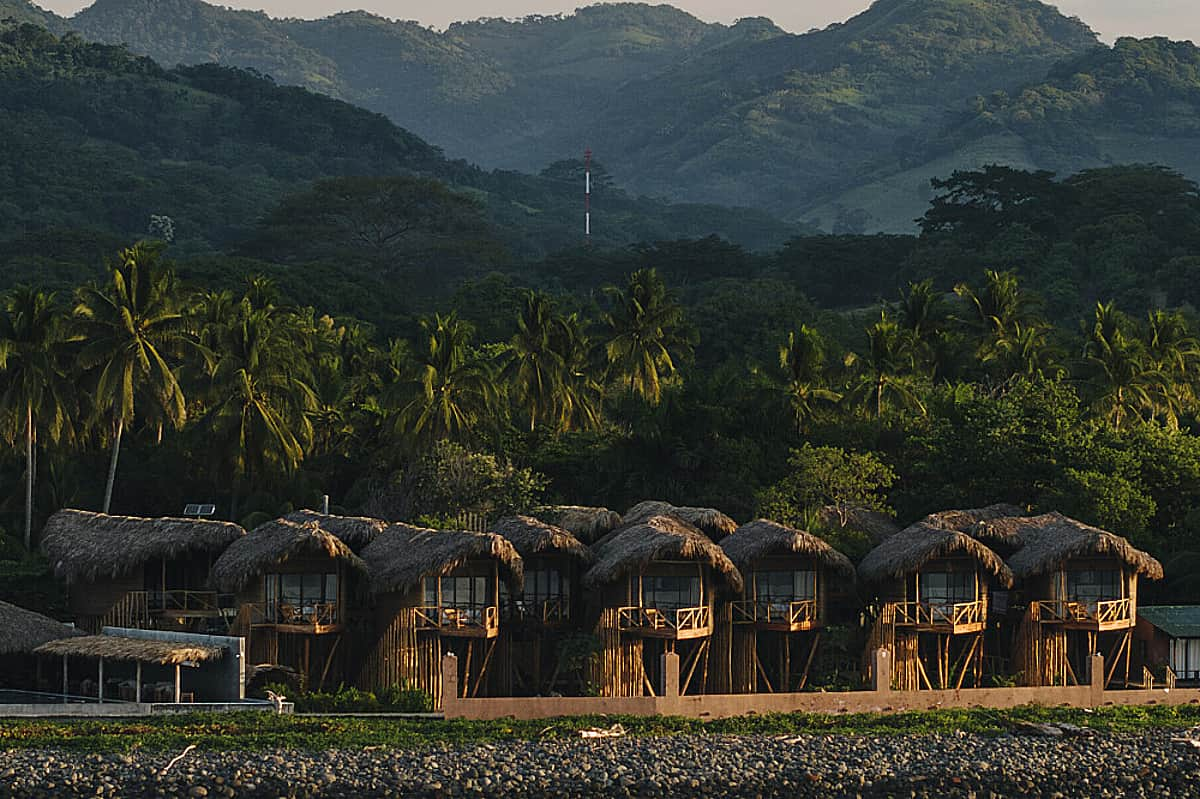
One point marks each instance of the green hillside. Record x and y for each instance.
(215, 149)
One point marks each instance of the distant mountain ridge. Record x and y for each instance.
(841, 127)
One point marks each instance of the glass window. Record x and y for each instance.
(789, 586)
(670, 592)
(947, 588)
(544, 584)
(464, 591)
(1093, 585)
(431, 591)
(302, 589)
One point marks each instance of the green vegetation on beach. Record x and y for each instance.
(255, 731)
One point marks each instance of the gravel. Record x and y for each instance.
(1092, 765)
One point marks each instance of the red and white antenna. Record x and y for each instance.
(587, 194)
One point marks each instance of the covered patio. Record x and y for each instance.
(158, 655)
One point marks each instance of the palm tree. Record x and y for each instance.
(132, 330)
(884, 368)
(996, 308)
(1172, 350)
(1127, 384)
(1025, 350)
(451, 389)
(802, 359)
(32, 336)
(535, 370)
(260, 394)
(580, 404)
(922, 315)
(646, 331)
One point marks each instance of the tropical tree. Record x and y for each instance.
(802, 360)
(133, 332)
(1024, 350)
(451, 389)
(260, 397)
(1125, 382)
(646, 333)
(996, 308)
(922, 314)
(883, 370)
(32, 336)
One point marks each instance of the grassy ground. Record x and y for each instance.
(251, 731)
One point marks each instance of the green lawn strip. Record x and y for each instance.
(257, 731)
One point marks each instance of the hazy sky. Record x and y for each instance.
(1179, 19)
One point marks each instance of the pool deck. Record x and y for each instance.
(131, 709)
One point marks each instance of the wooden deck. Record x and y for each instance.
(957, 619)
(678, 624)
(800, 615)
(1114, 614)
(315, 619)
(468, 622)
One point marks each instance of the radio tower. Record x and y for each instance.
(587, 195)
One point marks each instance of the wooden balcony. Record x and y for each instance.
(795, 616)
(475, 621)
(1109, 614)
(679, 624)
(552, 612)
(961, 617)
(314, 618)
(184, 603)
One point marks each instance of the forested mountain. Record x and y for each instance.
(841, 127)
(97, 141)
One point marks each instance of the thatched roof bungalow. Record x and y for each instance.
(87, 547)
(354, 531)
(553, 560)
(22, 631)
(588, 524)
(964, 519)
(931, 583)
(710, 521)
(278, 546)
(128, 571)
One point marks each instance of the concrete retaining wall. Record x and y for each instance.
(879, 699)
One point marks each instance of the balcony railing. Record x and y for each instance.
(310, 614)
(183, 601)
(677, 620)
(792, 613)
(1069, 611)
(461, 618)
(936, 614)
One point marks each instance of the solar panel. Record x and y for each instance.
(199, 509)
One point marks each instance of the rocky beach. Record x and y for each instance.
(1083, 765)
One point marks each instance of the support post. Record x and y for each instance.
(137, 683)
(449, 684)
(178, 692)
(100, 686)
(65, 684)
(1096, 663)
(670, 675)
(881, 677)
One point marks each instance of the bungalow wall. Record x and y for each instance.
(762, 641)
(91, 601)
(410, 633)
(933, 644)
(533, 627)
(1087, 605)
(319, 647)
(629, 662)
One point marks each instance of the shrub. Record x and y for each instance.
(405, 698)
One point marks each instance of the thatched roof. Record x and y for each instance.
(402, 556)
(356, 531)
(147, 650)
(908, 550)
(871, 523)
(964, 520)
(530, 536)
(658, 538)
(763, 538)
(1043, 543)
(23, 630)
(272, 544)
(710, 521)
(586, 524)
(85, 546)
